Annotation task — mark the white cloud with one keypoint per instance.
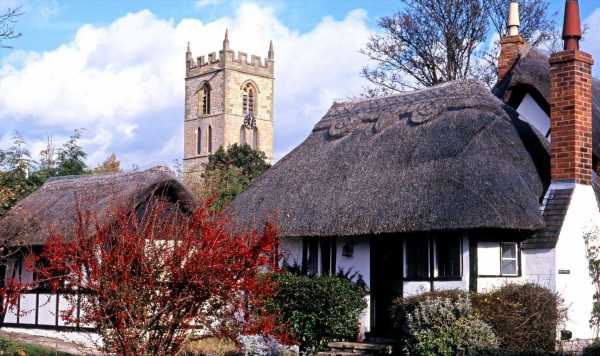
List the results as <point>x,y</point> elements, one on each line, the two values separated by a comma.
<point>124,82</point>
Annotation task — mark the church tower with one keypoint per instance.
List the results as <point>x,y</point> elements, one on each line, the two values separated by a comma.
<point>228,99</point>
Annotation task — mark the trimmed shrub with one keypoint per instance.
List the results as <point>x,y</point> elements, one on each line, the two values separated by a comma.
<point>524,317</point>
<point>593,349</point>
<point>318,310</point>
<point>441,325</point>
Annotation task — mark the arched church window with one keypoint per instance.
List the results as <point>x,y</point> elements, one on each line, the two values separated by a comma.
<point>204,99</point>
<point>199,141</point>
<point>255,141</point>
<point>249,99</point>
<point>209,139</point>
<point>243,135</point>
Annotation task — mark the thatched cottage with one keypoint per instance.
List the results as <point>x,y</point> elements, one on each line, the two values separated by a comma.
<point>53,208</point>
<point>451,186</point>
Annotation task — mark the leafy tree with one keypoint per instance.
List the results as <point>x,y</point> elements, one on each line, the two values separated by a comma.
<point>110,165</point>
<point>430,42</point>
<point>70,157</point>
<point>229,172</point>
<point>16,167</point>
<point>144,292</point>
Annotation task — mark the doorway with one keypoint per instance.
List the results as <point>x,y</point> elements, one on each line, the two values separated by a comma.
<point>387,281</point>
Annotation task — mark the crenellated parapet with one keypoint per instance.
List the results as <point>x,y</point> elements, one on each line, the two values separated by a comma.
<point>227,58</point>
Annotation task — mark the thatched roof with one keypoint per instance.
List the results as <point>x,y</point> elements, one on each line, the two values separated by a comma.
<point>531,75</point>
<point>445,158</point>
<point>53,207</point>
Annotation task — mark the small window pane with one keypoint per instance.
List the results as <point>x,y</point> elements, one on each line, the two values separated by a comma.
<point>417,258</point>
<point>312,259</point>
<point>509,267</point>
<point>509,250</point>
<point>448,257</point>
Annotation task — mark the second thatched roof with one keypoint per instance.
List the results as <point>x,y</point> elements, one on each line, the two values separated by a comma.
<point>53,207</point>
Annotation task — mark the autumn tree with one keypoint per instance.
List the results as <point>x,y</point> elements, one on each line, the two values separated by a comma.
<point>429,42</point>
<point>110,165</point>
<point>150,276</point>
<point>229,172</point>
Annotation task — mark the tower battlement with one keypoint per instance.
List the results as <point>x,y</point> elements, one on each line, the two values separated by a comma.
<point>227,58</point>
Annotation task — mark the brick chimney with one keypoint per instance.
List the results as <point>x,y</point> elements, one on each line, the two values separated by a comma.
<point>571,105</point>
<point>512,44</point>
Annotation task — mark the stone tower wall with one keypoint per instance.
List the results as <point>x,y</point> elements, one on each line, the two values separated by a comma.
<point>227,73</point>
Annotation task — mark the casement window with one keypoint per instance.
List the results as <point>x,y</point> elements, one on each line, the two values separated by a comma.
<point>509,264</point>
<point>209,139</point>
<point>498,259</point>
<point>437,258</point>
<point>318,256</point>
<point>416,257</point>
<point>199,141</point>
<point>447,257</point>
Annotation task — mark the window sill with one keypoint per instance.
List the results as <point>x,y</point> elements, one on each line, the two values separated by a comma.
<point>435,279</point>
<point>499,276</point>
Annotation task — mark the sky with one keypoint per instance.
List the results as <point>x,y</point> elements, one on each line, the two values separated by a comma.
<point>116,68</point>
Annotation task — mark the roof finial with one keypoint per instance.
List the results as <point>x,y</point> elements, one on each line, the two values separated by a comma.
<point>513,19</point>
<point>572,25</point>
<point>188,47</point>
<point>226,41</point>
<point>271,53</point>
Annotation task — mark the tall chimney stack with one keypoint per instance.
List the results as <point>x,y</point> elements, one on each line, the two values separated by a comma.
<point>571,105</point>
<point>512,44</point>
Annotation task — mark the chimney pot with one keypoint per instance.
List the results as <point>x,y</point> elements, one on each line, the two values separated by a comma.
<point>572,25</point>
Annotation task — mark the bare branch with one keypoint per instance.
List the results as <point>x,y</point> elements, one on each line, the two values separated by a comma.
<point>8,19</point>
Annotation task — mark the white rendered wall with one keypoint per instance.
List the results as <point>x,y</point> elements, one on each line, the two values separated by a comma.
<point>533,113</point>
<point>539,267</point>
<point>360,262</point>
<point>576,287</point>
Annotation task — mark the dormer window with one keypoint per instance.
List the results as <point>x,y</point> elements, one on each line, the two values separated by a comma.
<point>204,100</point>
<point>248,99</point>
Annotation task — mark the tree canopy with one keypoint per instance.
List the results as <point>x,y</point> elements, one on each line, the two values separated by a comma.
<point>229,172</point>
<point>20,174</point>
<point>429,42</point>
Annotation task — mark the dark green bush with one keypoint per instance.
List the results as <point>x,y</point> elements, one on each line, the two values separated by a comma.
<point>441,324</point>
<point>524,317</point>
<point>593,349</point>
<point>318,310</point>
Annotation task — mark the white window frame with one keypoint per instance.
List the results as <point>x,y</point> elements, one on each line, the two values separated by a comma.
<point>516,258</point>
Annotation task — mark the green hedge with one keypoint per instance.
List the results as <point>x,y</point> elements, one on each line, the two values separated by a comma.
<point>318,310</point>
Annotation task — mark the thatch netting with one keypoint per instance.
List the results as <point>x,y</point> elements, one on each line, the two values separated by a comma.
<point>444,158</point>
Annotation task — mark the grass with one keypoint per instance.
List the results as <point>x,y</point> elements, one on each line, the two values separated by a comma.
<point>210,346</point>
<point>14,348</point>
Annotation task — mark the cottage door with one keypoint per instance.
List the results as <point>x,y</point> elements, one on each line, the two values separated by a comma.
<point>387,281</point>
